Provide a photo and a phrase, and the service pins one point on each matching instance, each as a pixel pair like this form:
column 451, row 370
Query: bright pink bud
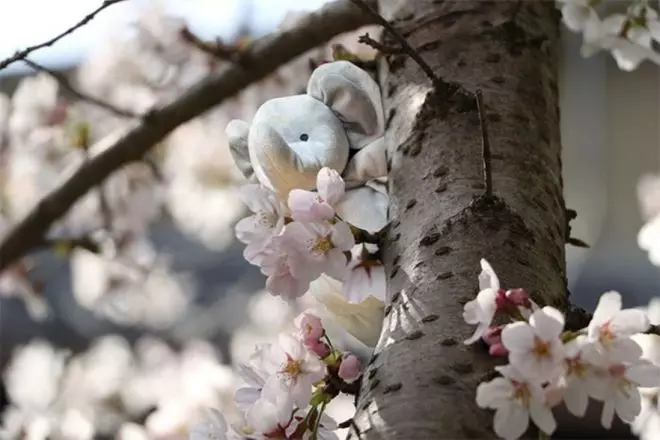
column 310, row 326
column 350, row 368
column 317, row 347
column 519, row 297
column 501, row 301
column 498, row 350
column 493, row 335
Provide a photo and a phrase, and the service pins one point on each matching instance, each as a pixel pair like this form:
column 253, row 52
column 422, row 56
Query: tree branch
column 21, row 54
column 65, row 84
column 405, row 46
column 218, row 50
column 271, row 52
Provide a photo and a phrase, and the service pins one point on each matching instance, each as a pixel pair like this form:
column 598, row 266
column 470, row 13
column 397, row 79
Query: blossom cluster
column 549, row 364
column 117, row 272
column 628, row 36
column 288, row 385
column 148, row 391
column 296, row 241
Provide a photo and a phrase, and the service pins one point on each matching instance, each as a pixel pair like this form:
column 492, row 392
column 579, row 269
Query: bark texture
column 422, row 379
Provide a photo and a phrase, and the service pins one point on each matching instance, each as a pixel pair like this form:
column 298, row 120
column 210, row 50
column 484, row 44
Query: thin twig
column 217, row 50
column 485, row 145
column 405, row 46
column 383, row 48
column 83, row 242
column 271, row 52
column 21, row 54
column 65, row 84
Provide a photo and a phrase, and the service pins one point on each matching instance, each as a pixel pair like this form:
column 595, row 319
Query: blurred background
column 610, row 135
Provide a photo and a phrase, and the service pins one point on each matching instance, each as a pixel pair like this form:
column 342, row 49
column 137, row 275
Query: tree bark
column 422, row 379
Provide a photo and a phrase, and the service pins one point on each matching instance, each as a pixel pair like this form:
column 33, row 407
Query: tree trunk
column 421, row 382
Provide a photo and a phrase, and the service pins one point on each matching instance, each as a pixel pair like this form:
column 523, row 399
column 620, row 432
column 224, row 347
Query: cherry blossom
column 296, row 367
column 365, row 276
column 578, row 14
column 266, row 222
column 610, row 329
column 481, row 310
column 282, row 265
column 308, row 206
column 212, row 427
column 350, row 368
column 579, row 381
column 310, row 326
column 535, row 348
column 271, row 414
column 515, row 399
column 320, row 248
column 621, row 388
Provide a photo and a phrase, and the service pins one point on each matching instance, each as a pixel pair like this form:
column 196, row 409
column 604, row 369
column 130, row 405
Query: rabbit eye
column 304, row 137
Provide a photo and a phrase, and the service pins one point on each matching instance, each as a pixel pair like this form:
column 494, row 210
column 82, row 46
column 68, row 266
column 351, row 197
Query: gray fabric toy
column 291, row 138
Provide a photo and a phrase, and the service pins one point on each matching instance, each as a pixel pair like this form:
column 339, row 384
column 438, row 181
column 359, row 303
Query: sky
column 29, row 22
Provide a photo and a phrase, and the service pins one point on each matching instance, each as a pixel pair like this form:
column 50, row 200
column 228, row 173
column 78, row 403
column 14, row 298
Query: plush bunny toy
column 339, row 124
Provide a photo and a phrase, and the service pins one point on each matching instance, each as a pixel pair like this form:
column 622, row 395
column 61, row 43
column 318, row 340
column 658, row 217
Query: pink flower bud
column 493, row 335
column 501, row 301
column 498, row 350
column 518, row 297
column 350, row 368
column 310, row 326
column 317, row 347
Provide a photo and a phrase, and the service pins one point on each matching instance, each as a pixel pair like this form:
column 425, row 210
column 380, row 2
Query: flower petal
column 518, row 336
column 342, row 237
column 576, row 399
column 330, row 185
column 542, row 417
column 608, row 305
column 644, row 374
column 493, row 394
column 629, row 321
column 487, row 277
column 548, row 322
column 511, row 421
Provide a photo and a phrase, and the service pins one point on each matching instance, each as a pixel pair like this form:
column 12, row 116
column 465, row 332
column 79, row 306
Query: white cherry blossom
column 366, row 275
column 212, row 427
column 286, row 277
column 320, row 248
column 578, row 14
column 535, row 348
column 297, row 368
column 580, row 380
column 267, row 221
column 610, row 330
column 515, row 399
column 621, row 390
column 481, row 310
column 271, row 414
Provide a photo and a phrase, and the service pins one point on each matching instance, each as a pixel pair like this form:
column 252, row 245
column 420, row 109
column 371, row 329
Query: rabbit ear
column 237, row 135
column 354, row 97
